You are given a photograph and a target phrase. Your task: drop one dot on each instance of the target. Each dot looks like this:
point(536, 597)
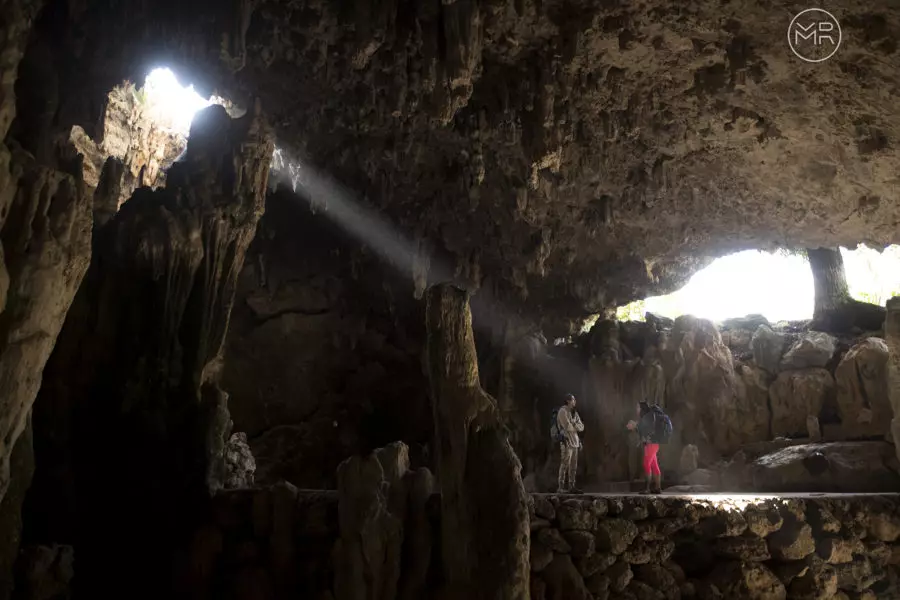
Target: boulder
point(767, 347)
point(763, 520)
point(818, 582)
point(752, 414)
point(738, 580)
point(576, 515)
point(830, 467)
point(857, 575)
point(813, 349)
point(544, 508)
point(838, 550)
point(563, 580)
point(792, 542)
point(862, 390)
point(700, 386)
point(615, 535)
point(796, 395)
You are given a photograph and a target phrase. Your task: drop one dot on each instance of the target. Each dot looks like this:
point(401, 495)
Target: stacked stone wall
point(278, 542)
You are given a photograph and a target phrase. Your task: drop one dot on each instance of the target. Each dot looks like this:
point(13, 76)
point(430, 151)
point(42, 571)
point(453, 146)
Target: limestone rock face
point(813, 349)
point(829, 467)
point(137, 367)
point(892, 337)
point(701, 386)
point(795, 395)
point(239, 462)
point(45, 229)
point(752, 417)
point(768, 347)
point(862, 390)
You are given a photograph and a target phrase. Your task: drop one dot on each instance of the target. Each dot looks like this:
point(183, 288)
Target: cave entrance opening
point(777, 285)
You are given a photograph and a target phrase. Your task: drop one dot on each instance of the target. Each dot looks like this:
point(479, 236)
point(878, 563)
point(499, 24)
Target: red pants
point(651, 465)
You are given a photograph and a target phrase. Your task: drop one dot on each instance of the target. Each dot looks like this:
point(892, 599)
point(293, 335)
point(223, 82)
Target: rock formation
point(484, 512)
point(138, 363)
point(892, 335)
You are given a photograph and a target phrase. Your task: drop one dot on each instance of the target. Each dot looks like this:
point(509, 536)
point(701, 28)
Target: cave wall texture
point(557, 157)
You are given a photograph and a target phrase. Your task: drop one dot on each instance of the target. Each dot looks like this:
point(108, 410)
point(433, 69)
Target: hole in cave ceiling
point(146, 127)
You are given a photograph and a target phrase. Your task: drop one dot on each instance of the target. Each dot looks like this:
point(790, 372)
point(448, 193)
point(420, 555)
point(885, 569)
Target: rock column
point(137, 364)
point(484, 509)
point(892, 336)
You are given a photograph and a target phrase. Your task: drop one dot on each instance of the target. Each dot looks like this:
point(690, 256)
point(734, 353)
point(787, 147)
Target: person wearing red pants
point(654, 428)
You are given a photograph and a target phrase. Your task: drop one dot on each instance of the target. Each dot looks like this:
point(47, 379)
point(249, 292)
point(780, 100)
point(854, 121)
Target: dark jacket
point(647, 425)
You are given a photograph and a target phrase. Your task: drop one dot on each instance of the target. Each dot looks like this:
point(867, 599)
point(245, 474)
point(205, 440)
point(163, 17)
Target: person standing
point(654, 428)
point(569, 425)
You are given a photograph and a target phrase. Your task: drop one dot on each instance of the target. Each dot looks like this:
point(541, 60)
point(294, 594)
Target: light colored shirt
point(570, 425)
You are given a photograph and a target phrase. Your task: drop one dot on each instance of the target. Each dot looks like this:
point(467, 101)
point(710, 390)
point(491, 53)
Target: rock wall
point(730, 386)
point(324, 355)
point(582, 547)
point(131, 416)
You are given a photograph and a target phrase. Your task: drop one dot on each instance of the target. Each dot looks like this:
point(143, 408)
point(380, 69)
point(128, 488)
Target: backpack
point(555, 434)
point(662, 426)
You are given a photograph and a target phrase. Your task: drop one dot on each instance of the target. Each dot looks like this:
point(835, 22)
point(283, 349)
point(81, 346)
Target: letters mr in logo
point(818, 31)
point(814, 35)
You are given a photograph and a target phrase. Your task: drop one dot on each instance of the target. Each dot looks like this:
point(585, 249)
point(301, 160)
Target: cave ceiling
point(577, 154)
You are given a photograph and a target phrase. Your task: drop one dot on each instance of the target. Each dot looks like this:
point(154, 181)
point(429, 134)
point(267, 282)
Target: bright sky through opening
point(778, 286)
point(169, 103)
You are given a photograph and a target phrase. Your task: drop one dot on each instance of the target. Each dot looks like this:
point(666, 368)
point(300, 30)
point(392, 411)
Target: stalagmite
point(892, 336)
point(484, 513)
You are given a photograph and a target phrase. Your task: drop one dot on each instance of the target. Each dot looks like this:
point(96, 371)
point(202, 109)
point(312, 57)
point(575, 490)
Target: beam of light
point(170, 104)
point(331, 197)
point(339, 204)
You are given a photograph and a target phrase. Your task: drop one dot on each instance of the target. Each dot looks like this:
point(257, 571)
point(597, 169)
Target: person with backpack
point(654, 428)
point(564, 429)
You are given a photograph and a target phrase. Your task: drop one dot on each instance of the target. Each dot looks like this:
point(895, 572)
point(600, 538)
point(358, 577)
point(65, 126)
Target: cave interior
point(308, 343)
